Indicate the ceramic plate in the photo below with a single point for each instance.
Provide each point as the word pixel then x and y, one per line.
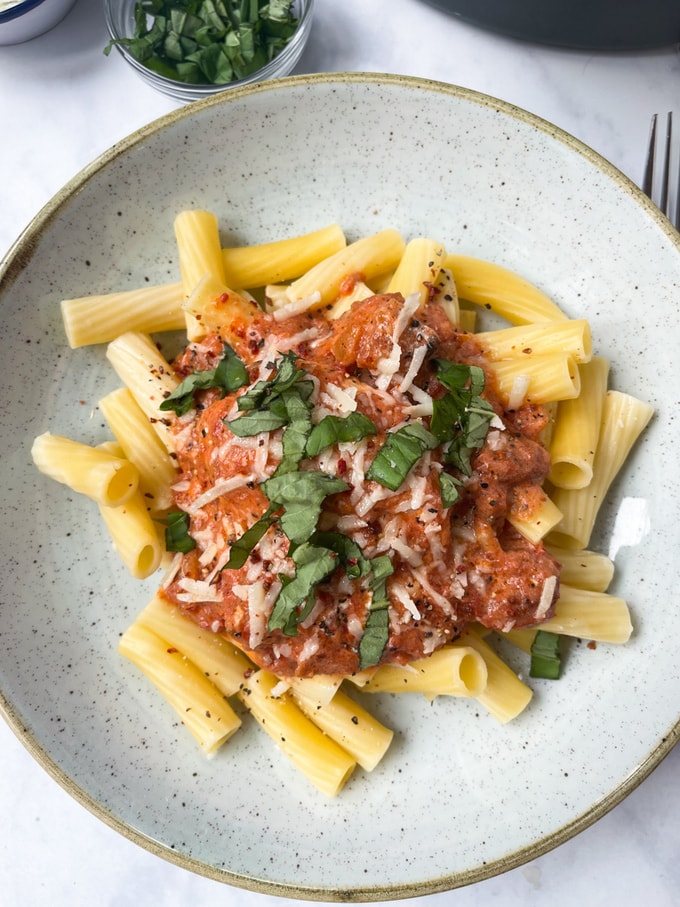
pixel 459 797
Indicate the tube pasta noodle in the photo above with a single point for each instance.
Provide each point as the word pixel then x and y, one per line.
pixel 147 374
pixel 583 568
pixel 505 696
pixel 218 659
pixel 345 301
pixel 318 690
pixel 543 358
pixel 536 520
pixel 211 307
pixel 106 478
pixel 419 266
pixel 201 707
pixel 142 446
pixel 281 260
pixel 199 249
pixel 501 291
pixel 370 257
pixel 134 536
pixel 623 419
pixel 590 615
pixel 577 428
pixel 350 725
pixel 450 671
pixel 326 764
pixel 571 337
pixel 200 255
pixel 548 377
pixel 100 319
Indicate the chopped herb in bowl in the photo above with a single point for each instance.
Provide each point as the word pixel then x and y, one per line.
pixel 208 43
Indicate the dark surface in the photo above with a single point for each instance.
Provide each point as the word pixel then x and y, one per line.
pixel 594 24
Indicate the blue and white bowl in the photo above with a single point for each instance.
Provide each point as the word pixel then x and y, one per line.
pixel 20 21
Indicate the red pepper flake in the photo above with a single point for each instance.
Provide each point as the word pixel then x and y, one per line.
pixel 342 466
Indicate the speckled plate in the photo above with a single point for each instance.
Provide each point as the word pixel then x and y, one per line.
pixel 458 798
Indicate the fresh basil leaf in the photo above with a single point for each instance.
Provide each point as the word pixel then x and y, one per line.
pixel 254 423
pixel 332 429
pixel 461 418
pixel 447 412
pixel 377 627
pixel 263 392
pixel 296 431
pixel 242 547
pixel 456 376
pixel 177 536
pixel 313 564
pixel 448 488
pixel 400 452
pixel 349 552
pixel 301 494
pixel 229 374
pixel 545 656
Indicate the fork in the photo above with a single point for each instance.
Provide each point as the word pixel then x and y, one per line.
pixel 662 154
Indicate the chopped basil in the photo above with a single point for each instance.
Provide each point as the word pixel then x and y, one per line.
pixel 456 376
pixel 301 495
pixel 263 393
pixel 545 656
pixel 255 423
pixel 228 376
pixel 461 418
pixel 400 452
pixel 377 629
pixel 241 548
pixel 177 536
pixel 332 429
pixel 312 565
pixel 448 489
pixel 208 42
pixel 280 401
pixel 350 554
pixel 296 432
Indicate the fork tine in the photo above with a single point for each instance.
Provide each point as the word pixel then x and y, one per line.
pixel 648 179
pixel 661 179
pixel 664 197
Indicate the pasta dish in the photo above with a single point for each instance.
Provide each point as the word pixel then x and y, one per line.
pixel 351 488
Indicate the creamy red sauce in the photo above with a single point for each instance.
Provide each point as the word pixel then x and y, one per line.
pixel 452 566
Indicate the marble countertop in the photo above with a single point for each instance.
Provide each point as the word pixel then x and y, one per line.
pixel 62 104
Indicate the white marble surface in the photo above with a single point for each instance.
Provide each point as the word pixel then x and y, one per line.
pixel 62 103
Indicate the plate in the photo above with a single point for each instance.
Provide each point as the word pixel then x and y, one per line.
pixel 459 798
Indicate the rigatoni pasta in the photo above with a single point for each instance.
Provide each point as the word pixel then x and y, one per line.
pixel 252 524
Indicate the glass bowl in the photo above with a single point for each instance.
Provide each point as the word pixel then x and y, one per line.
pixel 120 21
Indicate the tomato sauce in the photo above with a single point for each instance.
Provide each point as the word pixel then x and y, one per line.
pixel 452 565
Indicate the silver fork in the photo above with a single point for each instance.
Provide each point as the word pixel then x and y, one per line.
pixel 661 180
